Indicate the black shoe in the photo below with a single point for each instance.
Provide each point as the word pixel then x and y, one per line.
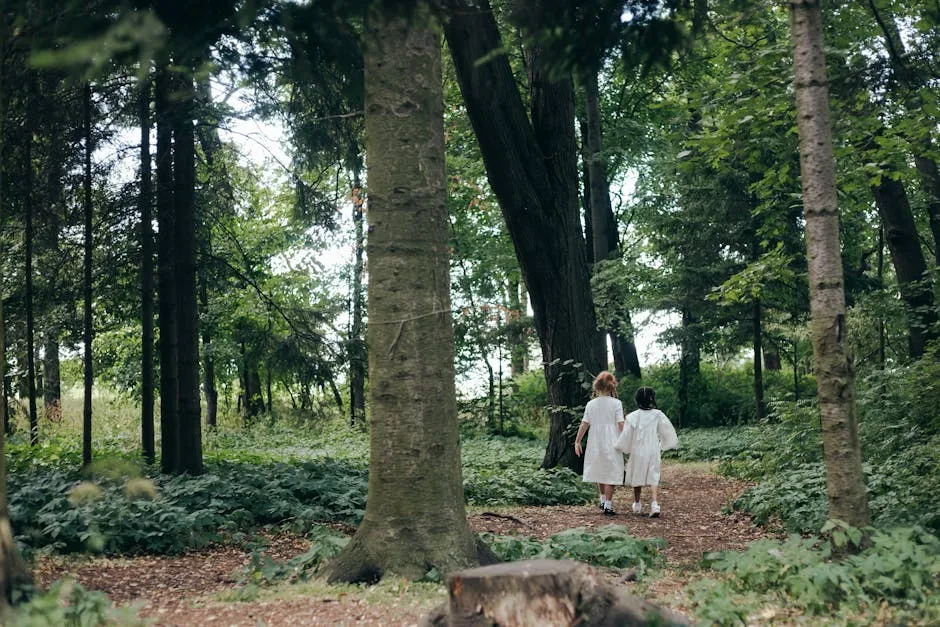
pixel 609 511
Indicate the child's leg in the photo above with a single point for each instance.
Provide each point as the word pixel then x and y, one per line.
pixel 655 490
pixel 637 490
pixel 609 491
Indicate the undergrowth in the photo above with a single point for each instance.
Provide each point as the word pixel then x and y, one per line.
pixel 894 575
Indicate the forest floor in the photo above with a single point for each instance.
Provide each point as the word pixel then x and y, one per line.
pixel 201 587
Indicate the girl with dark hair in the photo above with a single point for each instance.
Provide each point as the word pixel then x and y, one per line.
pixel 646 434
pixel 603 415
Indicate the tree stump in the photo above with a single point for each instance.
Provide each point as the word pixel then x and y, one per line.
pixel 546 593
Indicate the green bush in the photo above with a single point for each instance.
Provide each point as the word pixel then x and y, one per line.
pixel 68 604
pixel 611 546
pixel 896 570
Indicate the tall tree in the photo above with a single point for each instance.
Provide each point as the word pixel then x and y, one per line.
pixel 531 166
pixel 88 334
pixel 28 237
pixel 604 230
pixel 357 348
pixel 145 206
pixel 166 273
pixel 184 224
pixel 834 375
pixel 415 485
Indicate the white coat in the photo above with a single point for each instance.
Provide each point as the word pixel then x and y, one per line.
pixel 646 434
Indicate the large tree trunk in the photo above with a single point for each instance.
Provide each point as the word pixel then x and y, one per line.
pixel 166 276
pixel 145 205
pixel 834 375
pixel 357 347
pixel 605 233
pixel 930 177
pixel 909 263
pixel 415 518
pixel 533 172
pixel 28 235
pixel 88 333
pixel 187 327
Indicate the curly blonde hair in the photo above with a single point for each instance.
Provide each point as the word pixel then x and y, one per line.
pixel 605 384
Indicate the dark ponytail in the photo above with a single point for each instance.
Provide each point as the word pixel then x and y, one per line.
pixel 646 398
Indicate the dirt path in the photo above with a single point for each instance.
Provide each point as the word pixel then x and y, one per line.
pixel 181 590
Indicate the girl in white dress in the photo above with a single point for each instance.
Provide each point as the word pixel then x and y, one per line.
pixel 603 415
pixel 645 436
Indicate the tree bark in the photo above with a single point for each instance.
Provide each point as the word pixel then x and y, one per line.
pixel 166 275
pixel 51 375
pixel 187 327
pixel 88 333
pixel 415 518
pixel 909 263
pixel 357 348
pixel 690 360
pixel 605 233
pixel 211 145
pixel 759 408
pixel 834 375
pixel 28 252
pixel 533 172
pixel 145 206
pixel 930 177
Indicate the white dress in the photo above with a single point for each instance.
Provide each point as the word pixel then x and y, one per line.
pixel 603 464
pixel 646 434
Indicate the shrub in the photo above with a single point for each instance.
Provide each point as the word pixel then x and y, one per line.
pixel 896 570
pixel 611 546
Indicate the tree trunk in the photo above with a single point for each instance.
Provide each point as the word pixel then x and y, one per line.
pixel 544 592
pixel 166 276
pixel 145 205
pixel 690 360
pixel 759 408
pixel 187 325
pixel 28 250
pixel 51 376
pixel 930 177
pixel 415 486
pixel 516 335
pixel 605 234
pixel 13 572
pixel 88 333
pixel 586 205
pixel 909 263
pixel 211 145
pixel 834 375
pixel 533 172
pixel 357 347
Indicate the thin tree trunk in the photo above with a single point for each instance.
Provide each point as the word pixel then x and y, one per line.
pixel 88 334
pixel 605 235
pixel 909 263
pixel 187 328
pixel 415 486
pixel 690 360
pixel 834 375
pixel 882 340
pixel 357 347
pixel 759 408
pixel 166 276
pixel 28 249
pixel 516 336
pixel 51 375
pixel 145 205
pixel 532 169
pixel 586 205
pixel 211 145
